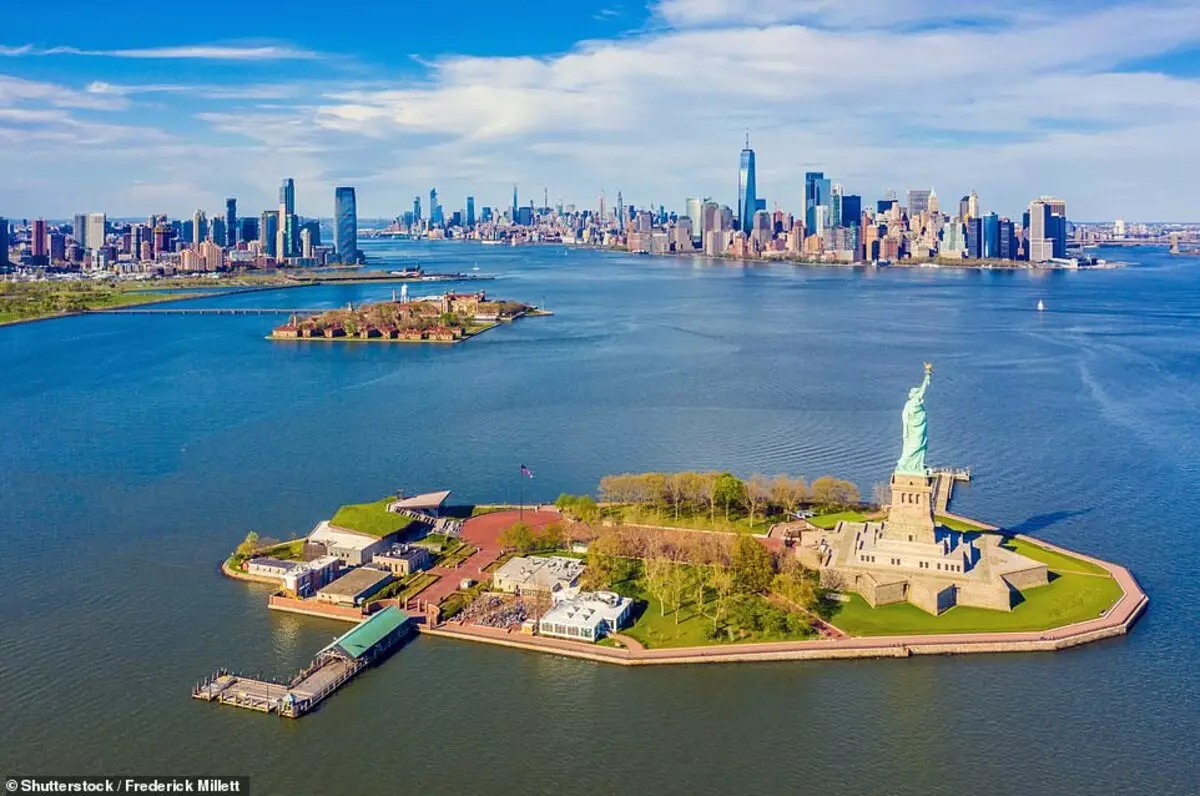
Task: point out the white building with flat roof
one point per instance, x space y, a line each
534 574
586 616
353 548
265 566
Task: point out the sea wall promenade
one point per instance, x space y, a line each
1116 621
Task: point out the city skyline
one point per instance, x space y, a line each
1097 106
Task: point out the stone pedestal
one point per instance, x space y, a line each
910 517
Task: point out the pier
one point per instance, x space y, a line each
368 642
944 479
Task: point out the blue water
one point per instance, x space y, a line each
137 450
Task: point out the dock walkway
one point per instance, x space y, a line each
333 667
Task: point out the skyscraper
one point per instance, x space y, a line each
747 188
692 206
345 224
97 231
216 230
79 230
817 190
231 223
1047 229
470 212
249 229
973 205
918 202
199 227
287 195
835 205
514 204
964 208
287 236
37 241
435 210
268 232
3 241
851 210
991 235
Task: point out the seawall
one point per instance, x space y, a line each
1116 621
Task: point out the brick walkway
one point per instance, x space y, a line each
483 533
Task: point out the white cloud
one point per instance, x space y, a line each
211 52
1011 107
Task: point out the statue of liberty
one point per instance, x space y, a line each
916 437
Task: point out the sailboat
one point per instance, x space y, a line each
476 268
1041 305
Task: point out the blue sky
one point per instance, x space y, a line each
146 107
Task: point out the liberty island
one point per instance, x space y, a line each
557 604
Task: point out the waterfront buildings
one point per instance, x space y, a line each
586 616
353 588
345 225
353 548
1047 229
403 559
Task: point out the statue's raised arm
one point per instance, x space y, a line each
912 455
925 382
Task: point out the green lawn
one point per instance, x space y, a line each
829 521
371 518
656 631
1059 562
37 300
955 524
1070 597
287 551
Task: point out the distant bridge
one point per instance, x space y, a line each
207 311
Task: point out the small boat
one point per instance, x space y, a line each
1041 306
476 268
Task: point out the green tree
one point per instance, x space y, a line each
753 566
585 509
247 547
519 537
552 536
727 490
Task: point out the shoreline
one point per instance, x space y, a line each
1116 621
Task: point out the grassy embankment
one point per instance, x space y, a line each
372 519
1078 590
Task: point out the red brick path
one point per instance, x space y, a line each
482 532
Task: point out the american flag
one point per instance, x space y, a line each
525 471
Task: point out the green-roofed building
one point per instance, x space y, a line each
372 637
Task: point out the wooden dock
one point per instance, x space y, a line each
944 479
369 641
